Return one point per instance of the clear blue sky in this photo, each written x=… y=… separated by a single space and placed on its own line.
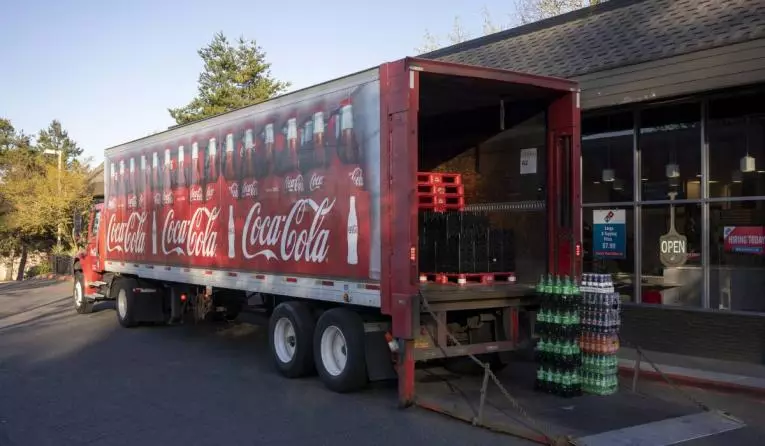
x=108 y=70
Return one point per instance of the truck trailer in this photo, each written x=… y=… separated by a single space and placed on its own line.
x=325 y=210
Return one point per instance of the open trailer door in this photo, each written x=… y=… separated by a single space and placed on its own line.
x=433 y=113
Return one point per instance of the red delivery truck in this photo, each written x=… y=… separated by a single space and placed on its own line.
x=355 y=213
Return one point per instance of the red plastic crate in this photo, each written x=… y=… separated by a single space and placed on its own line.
x=439 y=178
x=441 y=189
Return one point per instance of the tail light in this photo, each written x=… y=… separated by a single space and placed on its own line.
x=578 y=249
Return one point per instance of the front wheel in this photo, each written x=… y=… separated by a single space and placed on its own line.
x=339 y=350
x=81 y=303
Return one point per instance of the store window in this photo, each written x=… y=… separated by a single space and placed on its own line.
x=670 y=152
x=671 y=254
x=737 y=145
x=607 y=158
x=609 y=240
x=737 y=255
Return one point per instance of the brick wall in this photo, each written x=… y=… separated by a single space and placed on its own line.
x=710 y=334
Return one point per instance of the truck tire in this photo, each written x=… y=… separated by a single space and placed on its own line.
x=126 y=303
x=339 y=349
x=81 y=303
x=290 y=335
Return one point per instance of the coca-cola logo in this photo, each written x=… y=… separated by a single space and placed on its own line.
x=167 y=197
x=157 y=198
x=317 y=181
x=129 y=236
x=140 y=201
x=132 y=201
x=233 y=188
x=250 y=189
x=294 y=236
x=195 y=193
x=357 y=177
x=294 y=184
x=112 y=203
x=210 y=192
x=194 y=237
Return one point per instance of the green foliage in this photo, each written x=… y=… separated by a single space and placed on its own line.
x=35 y=196
x=56 y=138
x=38 y=270
x=234 y=76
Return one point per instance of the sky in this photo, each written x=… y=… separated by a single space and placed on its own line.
x=109 y=70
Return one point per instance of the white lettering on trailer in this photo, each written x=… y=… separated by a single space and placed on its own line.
x=264 y=233
x=180 y=232
x=129 y=236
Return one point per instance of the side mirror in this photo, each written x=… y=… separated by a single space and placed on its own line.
x=77 y=226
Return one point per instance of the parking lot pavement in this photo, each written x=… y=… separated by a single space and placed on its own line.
x=68 y=379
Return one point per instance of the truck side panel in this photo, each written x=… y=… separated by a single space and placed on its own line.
x=282 y=197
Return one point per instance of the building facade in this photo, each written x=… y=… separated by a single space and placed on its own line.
x=673 y=141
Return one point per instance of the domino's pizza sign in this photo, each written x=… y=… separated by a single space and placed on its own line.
x=609 y=234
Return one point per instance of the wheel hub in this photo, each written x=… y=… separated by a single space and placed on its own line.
x=334 y=353
x=285 y=340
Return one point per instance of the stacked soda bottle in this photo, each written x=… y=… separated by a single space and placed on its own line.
x=558 y=353
x=599 y=340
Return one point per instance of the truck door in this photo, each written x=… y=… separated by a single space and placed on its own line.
x=564 y=203
x=93 y=246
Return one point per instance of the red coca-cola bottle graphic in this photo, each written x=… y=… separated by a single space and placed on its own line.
x=265 y=163
x=156 y=183
x=288 y=167
x=230 y=176
x=167 y=180
x=196 y=191
x=121 y=189
x=144 y=197
x=113 y=187
x=132 y=200
x=180 y=192
x=211 y=171
x=249 y=182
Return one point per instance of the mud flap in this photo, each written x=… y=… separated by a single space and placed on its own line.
x=149 y=304
x=379 y=360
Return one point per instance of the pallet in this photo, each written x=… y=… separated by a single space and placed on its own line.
x=439 y=178
x=467 y=278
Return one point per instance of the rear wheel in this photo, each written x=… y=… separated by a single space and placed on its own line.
x=339 y=350
x=81 y=303
x=126 y=303
x=290 y=334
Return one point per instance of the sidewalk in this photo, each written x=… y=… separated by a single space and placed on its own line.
x=727 y=376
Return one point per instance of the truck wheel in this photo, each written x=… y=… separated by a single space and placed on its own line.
x=290 y=331
x=81 y=303
x=339 y=350
x=126 y=304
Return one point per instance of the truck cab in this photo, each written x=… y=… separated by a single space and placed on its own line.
x=88 y=267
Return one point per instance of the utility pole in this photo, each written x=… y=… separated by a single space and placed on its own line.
x=60 y=154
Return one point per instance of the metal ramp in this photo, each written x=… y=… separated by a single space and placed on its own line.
x=625 y=418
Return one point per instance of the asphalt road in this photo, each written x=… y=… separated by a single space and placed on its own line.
x=68 y=379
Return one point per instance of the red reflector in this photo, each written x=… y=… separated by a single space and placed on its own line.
x=260 y=277
x=135 y=265
x=578 y=249
x=327 y=283
x=291 y=279
x=168 y=268
x=232 y=274
x=412 y=253
x=370 y=286
x=150 y=266
x=208 y=272
x=183 y=297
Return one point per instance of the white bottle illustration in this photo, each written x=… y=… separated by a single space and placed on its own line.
x=154 y=233
x=353 y=234
x=231 y=229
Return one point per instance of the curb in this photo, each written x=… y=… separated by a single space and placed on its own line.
x=59 y=277
x=693 y=381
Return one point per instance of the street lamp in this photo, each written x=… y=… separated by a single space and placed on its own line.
x=60 y=154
